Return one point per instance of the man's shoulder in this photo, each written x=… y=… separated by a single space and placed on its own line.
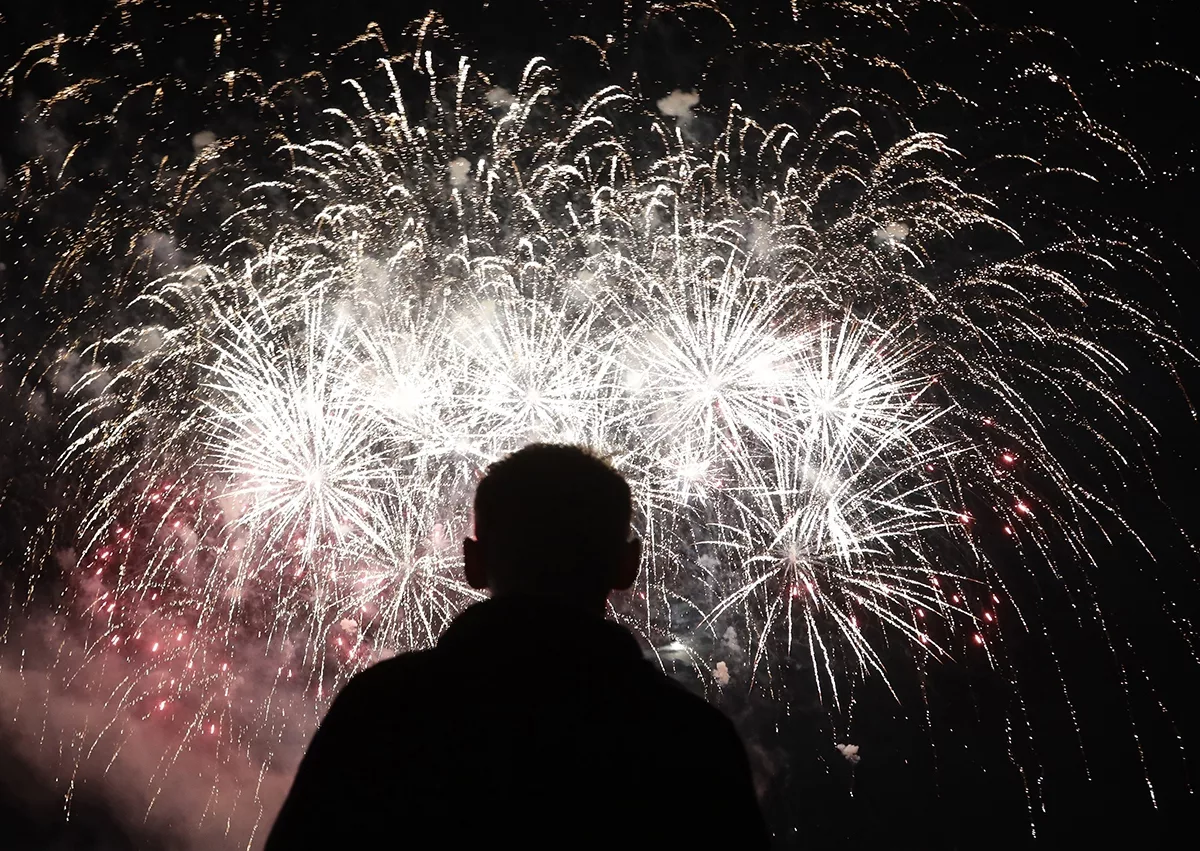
x=401 y=670
x=682 y=704
x=411 y=661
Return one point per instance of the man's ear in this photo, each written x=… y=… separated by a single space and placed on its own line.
x=627 y=565
x=474 y=565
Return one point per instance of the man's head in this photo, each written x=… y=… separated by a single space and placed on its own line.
x=552 y=521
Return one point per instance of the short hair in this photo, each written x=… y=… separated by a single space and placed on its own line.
x=552 y=518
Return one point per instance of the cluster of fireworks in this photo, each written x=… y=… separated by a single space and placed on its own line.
x=821 y=417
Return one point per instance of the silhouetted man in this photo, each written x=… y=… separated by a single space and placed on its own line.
x=534 y=722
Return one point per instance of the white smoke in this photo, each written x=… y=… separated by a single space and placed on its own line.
x=460 y=171
x=72 y=374
x=500 y=97
x=67 y=371
x=222 y=796
x=203 y=140
x=39 y=404
x=164 y=250
x=585 y=286
x=233 y=504
x=678 y=104
x=891 y=233
x=185 y=533
x=850 y=752
x=149 y=340
x=721 y=673
x=65 y=558
x=730 y=639
x=47 y=141
x=439 y=539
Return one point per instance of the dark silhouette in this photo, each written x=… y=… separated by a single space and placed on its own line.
x=534 y=722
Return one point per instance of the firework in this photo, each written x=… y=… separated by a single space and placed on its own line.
x=816 y=418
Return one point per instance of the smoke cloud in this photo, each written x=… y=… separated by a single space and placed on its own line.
x=500 y=97
x=850 y=752
x=76 y=753
x=678 y=104
x=203 y=140
x=891 y=233
x=460 y=171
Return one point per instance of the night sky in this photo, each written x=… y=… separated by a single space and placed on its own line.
x=954 y=787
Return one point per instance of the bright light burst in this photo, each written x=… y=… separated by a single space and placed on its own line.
x=817 y=413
